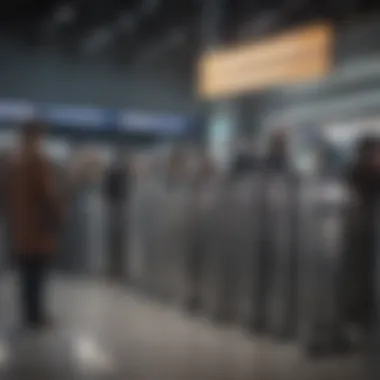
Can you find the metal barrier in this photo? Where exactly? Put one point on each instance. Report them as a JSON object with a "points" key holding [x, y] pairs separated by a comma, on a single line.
{"points": [[138, 224], [72, 257], [265, 251], [213, 248], [145, 208], [323, 204], [84, 247], [96, 247], [282, 211], [199, 254], [245, 214], [174, 242]]}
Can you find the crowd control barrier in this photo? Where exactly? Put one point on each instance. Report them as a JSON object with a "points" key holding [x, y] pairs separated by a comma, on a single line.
{"points": [[263, 250]]}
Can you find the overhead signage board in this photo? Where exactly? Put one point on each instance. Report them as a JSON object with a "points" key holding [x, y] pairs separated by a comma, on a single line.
{"points": [[16, 111], [152, 123], [95, 119], [298, 56], [79, 117]]}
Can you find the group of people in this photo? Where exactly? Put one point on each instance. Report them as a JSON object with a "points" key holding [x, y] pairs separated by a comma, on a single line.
{"points": [[36, 209], [356, 282]]}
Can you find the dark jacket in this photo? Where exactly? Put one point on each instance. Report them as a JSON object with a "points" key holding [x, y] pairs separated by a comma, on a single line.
{"points": [[117, 184], [244, 164], [364, 180], [359, 254]]}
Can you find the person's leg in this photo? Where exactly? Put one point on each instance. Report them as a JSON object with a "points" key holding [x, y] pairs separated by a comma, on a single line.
{"points": [[33, 282], [24, 289], [35, 290], [40, 294], [29, 289]]}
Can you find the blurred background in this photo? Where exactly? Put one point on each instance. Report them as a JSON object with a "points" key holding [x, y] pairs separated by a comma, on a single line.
{"points": [[81, 63], [216, 138]]}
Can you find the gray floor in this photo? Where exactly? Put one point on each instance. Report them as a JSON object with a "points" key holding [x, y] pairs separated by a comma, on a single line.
{"points": [[106, 332]]}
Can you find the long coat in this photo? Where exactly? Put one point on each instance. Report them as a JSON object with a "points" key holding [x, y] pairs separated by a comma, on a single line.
{"points": [[31, 196], [359, 258]]}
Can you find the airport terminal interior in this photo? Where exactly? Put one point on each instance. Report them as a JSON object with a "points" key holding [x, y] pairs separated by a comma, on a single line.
{"points": [[210, 157]]}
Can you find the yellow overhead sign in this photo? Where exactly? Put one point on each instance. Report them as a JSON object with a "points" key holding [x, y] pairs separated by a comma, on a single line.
{"points": [[296, 56]]}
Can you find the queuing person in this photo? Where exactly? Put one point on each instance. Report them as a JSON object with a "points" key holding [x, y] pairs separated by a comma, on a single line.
{"points": [[118, 183], [364, 182], [245, 161], [35, 215], [277, 159]]}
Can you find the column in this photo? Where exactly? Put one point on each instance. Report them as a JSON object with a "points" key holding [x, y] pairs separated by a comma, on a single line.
{"points": [[220, 115], [221, 133]]}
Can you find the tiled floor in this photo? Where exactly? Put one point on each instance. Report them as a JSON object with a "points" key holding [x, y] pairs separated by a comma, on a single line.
{"points": [[105, 332]]}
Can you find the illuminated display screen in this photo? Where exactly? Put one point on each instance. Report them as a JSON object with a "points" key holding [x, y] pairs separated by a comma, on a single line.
{"points": [[297, 56]]}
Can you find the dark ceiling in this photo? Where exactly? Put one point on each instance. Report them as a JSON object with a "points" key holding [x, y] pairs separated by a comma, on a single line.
{"points": [[128, 29], [98, 25], [256, 18]]}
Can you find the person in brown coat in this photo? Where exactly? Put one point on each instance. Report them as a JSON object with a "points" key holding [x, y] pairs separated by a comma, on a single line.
{"points": [[35, 213]]}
